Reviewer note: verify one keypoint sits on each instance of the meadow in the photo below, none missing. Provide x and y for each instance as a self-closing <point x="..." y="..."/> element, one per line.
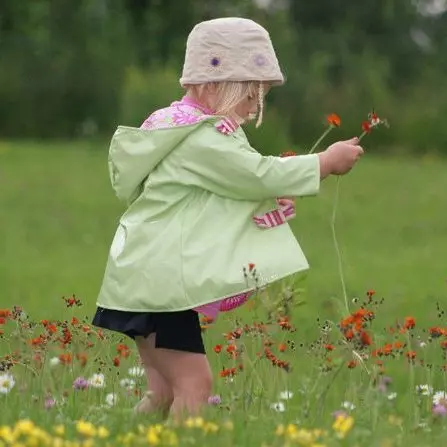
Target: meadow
<point x="375" y="376"/>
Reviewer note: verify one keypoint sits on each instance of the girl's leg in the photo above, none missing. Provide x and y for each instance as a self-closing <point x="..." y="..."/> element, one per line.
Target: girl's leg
<point x="160" y="395"/>
<point x="188" y="375"/>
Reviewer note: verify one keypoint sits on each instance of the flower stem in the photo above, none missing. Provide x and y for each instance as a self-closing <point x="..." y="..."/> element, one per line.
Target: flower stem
<point x="320" y="139"/>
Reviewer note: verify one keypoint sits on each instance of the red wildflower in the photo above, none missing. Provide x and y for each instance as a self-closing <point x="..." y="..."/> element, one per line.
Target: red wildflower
<point x="116" y="361"/>
<point x="436" y="332"/>
<point x="352" y="364"/>
<point x="217" y="349"/>
<point x="288" y="154"/>
<point x="51" y="328"/>
<point x="410" y="323"/>
<point x="444" y="344"/>
<point x="65" y="358"/>
<point x="399" y="345"/>
<point x="74" y="321"/>
<point x="329" y="347"/>
<point x="365" y="338"/>
<point x="72" y="301"/>
<point x="2" y="320"/>
<point x="334" y="120"/>
<point x="411" y="355"/>
<point x="4" y="313"/>
<point x="37" y="341"/>
<point x="251" y="266"/>
<point x="282" y="347"/>
<point x="366" y="126"/>
<point x="123" y="350"/>
<point x="231" y="348"/>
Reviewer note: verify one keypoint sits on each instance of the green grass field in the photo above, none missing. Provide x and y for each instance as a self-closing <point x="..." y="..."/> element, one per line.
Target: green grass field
<point x="58" y="215"/>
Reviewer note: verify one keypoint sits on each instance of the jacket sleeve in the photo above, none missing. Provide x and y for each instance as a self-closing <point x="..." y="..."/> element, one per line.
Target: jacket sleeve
<point x="228" y="166"/>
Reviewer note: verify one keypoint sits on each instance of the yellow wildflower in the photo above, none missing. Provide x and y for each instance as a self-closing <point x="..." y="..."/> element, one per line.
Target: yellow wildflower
<point x="228" y="425"/>
<point x="210" y="427"/>
<point x="59" y="430"/>
<point x="153" y="437"/>
<point x="280" y="430"/>
<point x="170" y="438"/>
<point x="343" y="425"/>
<point x="196" y="422"/>
<point x="103" y="432"/>
<point x="24" y="427"/>
<point x="88" y="443"/>
<point x="7" y="434"/>
<point x="85" y="428"/>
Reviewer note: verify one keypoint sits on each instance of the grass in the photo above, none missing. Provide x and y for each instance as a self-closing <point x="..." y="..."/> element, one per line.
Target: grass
<point x="58" y="216"/>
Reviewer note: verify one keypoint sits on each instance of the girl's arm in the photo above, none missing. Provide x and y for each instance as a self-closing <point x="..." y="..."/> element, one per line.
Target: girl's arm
<point x="226" y="165"/>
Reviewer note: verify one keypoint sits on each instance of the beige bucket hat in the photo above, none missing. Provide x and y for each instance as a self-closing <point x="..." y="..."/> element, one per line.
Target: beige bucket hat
<point x="230" y="49"/>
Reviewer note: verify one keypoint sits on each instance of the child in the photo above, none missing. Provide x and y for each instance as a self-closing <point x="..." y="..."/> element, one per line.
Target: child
<point x="202" y="205"/>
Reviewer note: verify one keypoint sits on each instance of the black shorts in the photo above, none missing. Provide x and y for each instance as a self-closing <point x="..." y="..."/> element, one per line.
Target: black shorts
<point x="173" y="330"/>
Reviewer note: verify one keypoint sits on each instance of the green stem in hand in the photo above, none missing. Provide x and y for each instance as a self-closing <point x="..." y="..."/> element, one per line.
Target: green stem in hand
<point x="320" y="139"/>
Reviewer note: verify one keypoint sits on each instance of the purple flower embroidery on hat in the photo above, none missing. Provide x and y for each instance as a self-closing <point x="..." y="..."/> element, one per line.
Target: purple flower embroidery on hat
<point x="215" y="61"/>
<point x="260" y="60"/>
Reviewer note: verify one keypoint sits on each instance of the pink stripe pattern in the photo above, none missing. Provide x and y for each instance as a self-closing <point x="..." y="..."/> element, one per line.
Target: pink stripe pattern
<point x="276" y="217"/>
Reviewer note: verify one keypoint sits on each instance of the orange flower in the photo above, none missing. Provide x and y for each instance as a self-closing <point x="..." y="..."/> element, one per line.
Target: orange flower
<point x="5" y="313"/>
<point x="352" y="364"/>
<point x="411" y="355"/>
<point x="116" y="361"/>
<point x="282" y="347"/>
<point x="82" y="358"/>
<point x="444" y="344"/>
<point x="2" y="320"/>
<point x="329" y="347"/>
<point x="334" y="120"/>
<point x="217" y="349"/>
<point x="65" y="358"/>
<point x="231" y="348"/>
<point x="366" y="126"/>
<point x="251" y="266"/>
<point x="123" y="350"/>
<point x="288" y="154"/>
<point x="365" y="338"/>
<point x="410" y="323"/>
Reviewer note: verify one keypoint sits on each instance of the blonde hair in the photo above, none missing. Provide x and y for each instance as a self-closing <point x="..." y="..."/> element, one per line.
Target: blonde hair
<point x="228" y="94"/>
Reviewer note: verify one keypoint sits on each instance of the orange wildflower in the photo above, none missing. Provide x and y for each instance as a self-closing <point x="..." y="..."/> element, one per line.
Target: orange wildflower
<point x="282" y="347"/>
<point x="116" y="361"/>
<point x="333" y="120"/>
<point x="410" y="323"/>
<point x="65" y="358"/>
<point x="217" y="349"/>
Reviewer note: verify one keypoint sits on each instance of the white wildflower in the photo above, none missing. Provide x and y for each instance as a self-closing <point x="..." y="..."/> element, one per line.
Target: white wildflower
<point x="440" y="398"/>
<point x="127" y="383"/>
<point x="54" y="361"/>
<point x="392" y="396"/>
<point x="7" y="382"/>
<point x="348" y="405"/>
<point x="136" y="371"/>
<point x="425" y="390"/>
<point x="285" y="395"/>
<point x="278" y="406"/>
<point x="97" y="381"/>
<point x="111" y="399"/>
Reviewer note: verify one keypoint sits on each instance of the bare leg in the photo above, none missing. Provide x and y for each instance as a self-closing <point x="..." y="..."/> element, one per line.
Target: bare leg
<point x="188" y="375"/>
<point x="160" y="395"/>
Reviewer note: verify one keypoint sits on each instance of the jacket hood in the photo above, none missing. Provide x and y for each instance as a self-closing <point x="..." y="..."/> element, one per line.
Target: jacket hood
<point x="134" y="153"/>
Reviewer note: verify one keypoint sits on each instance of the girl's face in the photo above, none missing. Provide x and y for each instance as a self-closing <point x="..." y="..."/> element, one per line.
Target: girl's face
<point x="247" y="109"/>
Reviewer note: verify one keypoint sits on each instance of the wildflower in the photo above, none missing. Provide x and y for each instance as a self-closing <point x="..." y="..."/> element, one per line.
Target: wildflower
<point x="424" y="390"/>
<point x="123" y="350"/>
<point x="102" y="432"/>
<point x="343" y="425"/>
<point x="440" y="398"/>
<point x="97" y="381"/>
<point x="127" y="383"/>
<point x="439" y="410"/>
<point x="411" y="355"/>
<point x="111" y="399"/>
<point x="278" y="406"/>
<point x="49" y="403"/>
<point x="136" y="371"/>
<point x="217" y="349"/>
<point x="65" y="358"/>
<point x="80" y="383"/>
<point x="116" y="361"/>
<point x="72" y="301"/>
<point x="194" y="422"/>
<point x="410" y="323"/>
<point x="288" y="154"/>
<point x="392" y="396"/>
<point x="214" y="400"/>
<point x="7" y="383"/>
<point x="334" y="120"/>
<point x="251" y="267"/>
<point x="285" y="395"/>
<point x="54" y="361"/>
<point x="59" y="430"/>
<point x="282" y="347"/>
<point x="348" y="405"/>
<point x="366" y="127"/>
<point x="86" y="429"/>
<point x="210" y="427"/>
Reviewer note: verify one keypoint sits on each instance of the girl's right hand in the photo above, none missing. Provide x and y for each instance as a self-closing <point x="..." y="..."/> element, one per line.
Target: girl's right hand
<point x="340" y="157"/>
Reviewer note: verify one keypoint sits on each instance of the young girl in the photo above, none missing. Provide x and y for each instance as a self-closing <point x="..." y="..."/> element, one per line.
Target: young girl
<point x="202" y="206"/>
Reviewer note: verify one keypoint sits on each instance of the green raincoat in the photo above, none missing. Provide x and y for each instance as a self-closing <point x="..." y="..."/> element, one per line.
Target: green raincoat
<point x="188" y="231"/>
